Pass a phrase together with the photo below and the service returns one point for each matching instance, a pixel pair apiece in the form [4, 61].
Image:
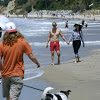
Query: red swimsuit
[54, 45]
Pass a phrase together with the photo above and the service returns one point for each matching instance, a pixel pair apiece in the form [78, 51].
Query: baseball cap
[54, 24]
[10, 27]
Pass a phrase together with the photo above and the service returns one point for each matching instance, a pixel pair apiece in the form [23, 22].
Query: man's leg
[6, 87]
[52, 56]
[15, 87]
[58, 53]
[57, 49]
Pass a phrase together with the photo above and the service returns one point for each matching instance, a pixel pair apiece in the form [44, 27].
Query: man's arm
[0, 64]
[48, 39]
[62, 36]
[33, 58]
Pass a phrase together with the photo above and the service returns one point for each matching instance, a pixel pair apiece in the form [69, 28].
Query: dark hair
[79, 29]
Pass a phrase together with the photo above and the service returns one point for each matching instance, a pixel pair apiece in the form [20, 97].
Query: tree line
[75, 5]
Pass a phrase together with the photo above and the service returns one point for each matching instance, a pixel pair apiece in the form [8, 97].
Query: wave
[32, 73]
[94, 26]
[3, 21]
[92, 42]
[64, 43]
[93, 23]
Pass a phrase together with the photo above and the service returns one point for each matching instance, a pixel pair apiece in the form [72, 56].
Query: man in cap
[54, 44]
[12, 49]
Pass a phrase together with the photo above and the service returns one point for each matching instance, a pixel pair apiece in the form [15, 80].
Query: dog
[62, 95]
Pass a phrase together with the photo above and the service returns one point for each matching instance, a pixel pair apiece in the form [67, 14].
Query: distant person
[54, 34]
[94, 19]
[85, 23]
[12, 49]
[66, 26]
[0, 32]
[77, 37]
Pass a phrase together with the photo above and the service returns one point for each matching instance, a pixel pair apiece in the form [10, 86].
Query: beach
[85, 17]
[93, 15]
[83, 78]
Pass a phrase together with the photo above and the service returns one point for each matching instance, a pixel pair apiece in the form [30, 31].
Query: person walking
[66, 26]
[83, 23]
[86, 24]
[12, 49]
[76, 37]
[54, 34]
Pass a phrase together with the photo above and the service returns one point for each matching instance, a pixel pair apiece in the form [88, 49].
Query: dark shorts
[54, 46]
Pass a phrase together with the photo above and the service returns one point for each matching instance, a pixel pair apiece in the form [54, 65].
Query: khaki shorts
[12, 87]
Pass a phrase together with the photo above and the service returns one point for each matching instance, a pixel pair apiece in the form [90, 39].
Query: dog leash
[30, 87]
[33, 87]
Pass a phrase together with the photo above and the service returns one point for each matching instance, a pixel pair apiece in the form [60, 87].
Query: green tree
[21, 2]
[29, 8]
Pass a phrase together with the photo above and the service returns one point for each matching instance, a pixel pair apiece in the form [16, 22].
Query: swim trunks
[54, 45]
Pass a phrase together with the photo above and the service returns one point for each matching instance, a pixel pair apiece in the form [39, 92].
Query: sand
[86, 17]
[83, 78]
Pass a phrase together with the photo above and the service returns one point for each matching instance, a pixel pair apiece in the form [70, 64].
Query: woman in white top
[76, 37]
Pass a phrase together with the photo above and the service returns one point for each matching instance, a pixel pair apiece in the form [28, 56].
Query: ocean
[36, 31]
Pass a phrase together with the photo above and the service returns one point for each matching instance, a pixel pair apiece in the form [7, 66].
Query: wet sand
[83, 78]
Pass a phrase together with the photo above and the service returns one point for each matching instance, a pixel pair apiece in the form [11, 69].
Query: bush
[29, 8]
[21, 2]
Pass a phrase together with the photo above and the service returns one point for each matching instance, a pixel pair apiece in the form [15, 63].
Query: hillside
[16, 6]
[22, 6]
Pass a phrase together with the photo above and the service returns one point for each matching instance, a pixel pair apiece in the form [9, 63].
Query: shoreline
[82, 78]
[67, 75]
[85, 17]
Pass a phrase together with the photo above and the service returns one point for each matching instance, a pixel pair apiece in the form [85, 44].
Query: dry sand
[83, 78]
[87, 17]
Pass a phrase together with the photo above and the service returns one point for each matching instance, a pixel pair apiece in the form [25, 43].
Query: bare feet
[75, 60]
[53, 64]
